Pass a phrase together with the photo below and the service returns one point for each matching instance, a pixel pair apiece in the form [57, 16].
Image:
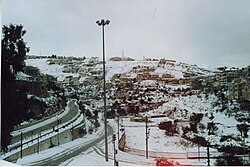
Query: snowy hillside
[54, 69]
[139, 88]
[117, 67]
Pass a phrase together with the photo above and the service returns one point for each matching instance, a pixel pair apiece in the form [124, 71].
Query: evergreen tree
[13, 100]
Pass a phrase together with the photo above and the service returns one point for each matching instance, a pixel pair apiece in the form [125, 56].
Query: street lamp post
[103, 23]
[57, 120]
[147, 136]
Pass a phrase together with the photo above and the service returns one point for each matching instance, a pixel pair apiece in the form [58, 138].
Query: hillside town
[234, 80]
[125, 83]
[149, 87]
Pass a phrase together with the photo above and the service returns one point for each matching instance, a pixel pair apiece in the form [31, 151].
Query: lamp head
[102, 22]
[98, 22]
[107, 22]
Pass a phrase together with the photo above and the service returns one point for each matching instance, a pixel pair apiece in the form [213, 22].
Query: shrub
[170, 129]
[200, 140]
[211, 128]
[194, 120]
[243, 129]
[229, 160]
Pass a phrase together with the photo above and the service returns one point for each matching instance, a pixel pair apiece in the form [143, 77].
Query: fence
[59, 138]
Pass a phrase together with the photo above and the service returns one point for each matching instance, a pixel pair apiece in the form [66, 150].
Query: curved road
[70, 153]
[73, 110]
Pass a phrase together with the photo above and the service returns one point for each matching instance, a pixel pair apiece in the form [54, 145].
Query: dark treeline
[13, 101]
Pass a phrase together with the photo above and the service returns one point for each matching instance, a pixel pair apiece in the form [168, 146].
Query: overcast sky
[204, 32]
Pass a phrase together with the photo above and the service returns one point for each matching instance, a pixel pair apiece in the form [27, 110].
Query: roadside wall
[60, 138]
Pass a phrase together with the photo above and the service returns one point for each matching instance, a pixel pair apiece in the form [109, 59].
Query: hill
[199, 110]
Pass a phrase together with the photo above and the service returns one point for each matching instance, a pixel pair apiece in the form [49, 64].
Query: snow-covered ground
[6, 163]
[119, 67]
[95, 156]
[158, 141]
[184, 107]
[92, 157]
[45, 68]
[29, 160]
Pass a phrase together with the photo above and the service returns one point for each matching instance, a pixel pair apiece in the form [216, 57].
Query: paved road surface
[73, 110]
[127, 160]
[70, 153]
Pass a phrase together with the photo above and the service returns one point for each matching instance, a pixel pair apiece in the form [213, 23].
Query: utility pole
[244, 148]
[147, 134]
[57, 130]
[115, 151]
[208, 155]
[21, 144]
[32, 136]
[244, 140]
[38, 143]
[118, 130]
[199, 151]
